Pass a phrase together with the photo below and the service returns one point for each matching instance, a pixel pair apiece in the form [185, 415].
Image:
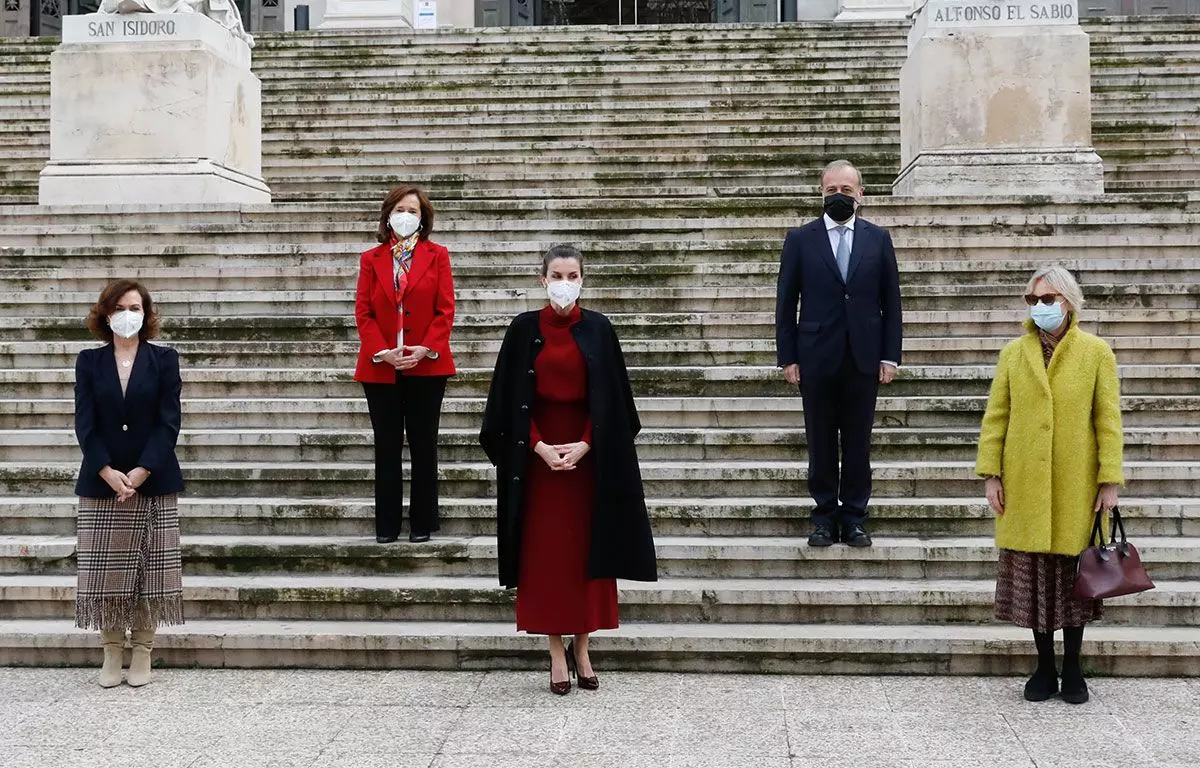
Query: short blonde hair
[838, 165]
[1062, 281]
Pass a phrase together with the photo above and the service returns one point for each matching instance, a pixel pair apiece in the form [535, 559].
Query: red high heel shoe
[585, 683]
[563, 688]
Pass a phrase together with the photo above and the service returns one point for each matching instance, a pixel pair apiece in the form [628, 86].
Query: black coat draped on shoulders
[622, 545]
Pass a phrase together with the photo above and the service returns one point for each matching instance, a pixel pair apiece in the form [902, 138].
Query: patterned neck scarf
[1050, 341]
[402, 253]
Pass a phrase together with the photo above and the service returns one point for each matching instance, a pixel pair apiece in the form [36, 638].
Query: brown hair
[107, 304]
[561, 251]
[384, 232]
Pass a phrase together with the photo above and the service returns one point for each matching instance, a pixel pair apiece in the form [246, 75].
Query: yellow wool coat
[1052, 436]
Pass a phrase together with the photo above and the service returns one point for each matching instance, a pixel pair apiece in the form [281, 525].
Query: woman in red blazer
[404, 308]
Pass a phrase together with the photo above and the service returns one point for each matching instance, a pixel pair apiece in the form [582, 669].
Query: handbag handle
[1119, 525]
[1097, 538]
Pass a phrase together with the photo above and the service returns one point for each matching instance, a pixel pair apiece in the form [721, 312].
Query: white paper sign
[426, 15]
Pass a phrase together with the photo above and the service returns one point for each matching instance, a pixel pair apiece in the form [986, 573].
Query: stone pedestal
[152, 108]
[996, 100]
[873, 10]
[367, 14]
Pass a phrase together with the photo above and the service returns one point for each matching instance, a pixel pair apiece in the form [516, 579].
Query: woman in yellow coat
[1050, 449]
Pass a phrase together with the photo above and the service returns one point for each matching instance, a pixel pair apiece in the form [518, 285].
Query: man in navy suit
[841, 273]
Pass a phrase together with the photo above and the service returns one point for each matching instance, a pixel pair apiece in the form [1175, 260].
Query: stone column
[367, 14]
[995, 99]
[152, 108]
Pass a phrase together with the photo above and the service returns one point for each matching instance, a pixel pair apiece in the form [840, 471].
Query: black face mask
[840, 207]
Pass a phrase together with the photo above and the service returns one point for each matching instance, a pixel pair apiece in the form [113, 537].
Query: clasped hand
[562, 457]
[124, 485]
[404, 358]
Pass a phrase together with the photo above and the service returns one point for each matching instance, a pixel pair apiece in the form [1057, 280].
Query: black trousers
[412, 404]
[839, 404]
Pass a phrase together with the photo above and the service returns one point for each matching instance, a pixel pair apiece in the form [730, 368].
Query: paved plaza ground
[59, 718]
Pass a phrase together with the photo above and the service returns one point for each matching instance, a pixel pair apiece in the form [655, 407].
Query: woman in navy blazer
[127, 416]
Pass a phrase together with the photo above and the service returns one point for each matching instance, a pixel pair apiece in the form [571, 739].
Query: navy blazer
[863, 310]
[137, 429]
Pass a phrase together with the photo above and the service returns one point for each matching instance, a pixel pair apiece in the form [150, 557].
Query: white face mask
[563, 293]
[404, 224]
[126, 323]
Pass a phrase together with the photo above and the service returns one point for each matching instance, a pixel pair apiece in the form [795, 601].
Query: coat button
[524, 407]
[537, 341]
[407, 313]
[124, 427]
[521, 443]
[530, 371]
[846, 297]
[517, 479]
[408, 330]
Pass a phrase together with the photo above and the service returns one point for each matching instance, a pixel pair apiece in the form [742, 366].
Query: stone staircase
[279, 567]
[625, 112]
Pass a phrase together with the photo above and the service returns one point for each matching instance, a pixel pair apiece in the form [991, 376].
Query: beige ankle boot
[139, 665]
[113, 642]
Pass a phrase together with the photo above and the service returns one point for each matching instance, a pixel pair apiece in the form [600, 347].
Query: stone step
[418, 598]
[678, 219]
[277, 412]
[891, 444]
[666, 479]
[317, 299]
[696, 647]
[629, 325]
[304, 266]
[678, 380]
[919, 351]
[950, 212]
[1132, 255]
[1166, 559]
[736, 517]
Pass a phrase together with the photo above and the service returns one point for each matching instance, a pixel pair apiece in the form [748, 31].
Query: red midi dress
[554, 594]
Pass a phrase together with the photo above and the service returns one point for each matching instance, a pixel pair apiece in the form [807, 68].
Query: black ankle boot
[1074, 687]
[1044, 683]
[1042, 686]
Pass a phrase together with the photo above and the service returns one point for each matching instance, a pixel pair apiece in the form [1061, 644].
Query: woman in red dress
[559, 425]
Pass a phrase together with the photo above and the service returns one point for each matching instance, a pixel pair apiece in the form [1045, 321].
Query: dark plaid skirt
[1033, 590]
[129, 565]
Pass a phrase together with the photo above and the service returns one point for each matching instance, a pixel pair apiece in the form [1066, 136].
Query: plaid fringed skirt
[1034, 590]
[129, 565]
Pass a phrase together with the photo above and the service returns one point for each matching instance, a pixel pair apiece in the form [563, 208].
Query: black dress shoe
[418, 538]
[385, 539]
[857, 536]
[821, 537]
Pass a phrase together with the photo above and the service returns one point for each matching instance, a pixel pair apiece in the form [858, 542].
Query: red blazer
[428, 311]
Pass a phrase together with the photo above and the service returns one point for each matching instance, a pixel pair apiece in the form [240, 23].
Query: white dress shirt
[831, 228]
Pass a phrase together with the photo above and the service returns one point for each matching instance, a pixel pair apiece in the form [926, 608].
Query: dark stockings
[1044, 683]
[1074, 687]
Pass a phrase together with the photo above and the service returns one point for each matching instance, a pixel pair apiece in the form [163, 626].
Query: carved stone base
[167, 181]
[1002, 172]
[873, 10]
[152, 108]
[367, 14]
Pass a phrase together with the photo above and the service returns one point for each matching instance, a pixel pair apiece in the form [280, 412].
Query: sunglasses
[1047, 299]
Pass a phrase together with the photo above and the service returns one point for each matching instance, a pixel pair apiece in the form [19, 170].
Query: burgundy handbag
[1110, 570]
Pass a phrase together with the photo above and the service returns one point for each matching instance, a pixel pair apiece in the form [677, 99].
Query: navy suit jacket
[138, 429]
[862, 311]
